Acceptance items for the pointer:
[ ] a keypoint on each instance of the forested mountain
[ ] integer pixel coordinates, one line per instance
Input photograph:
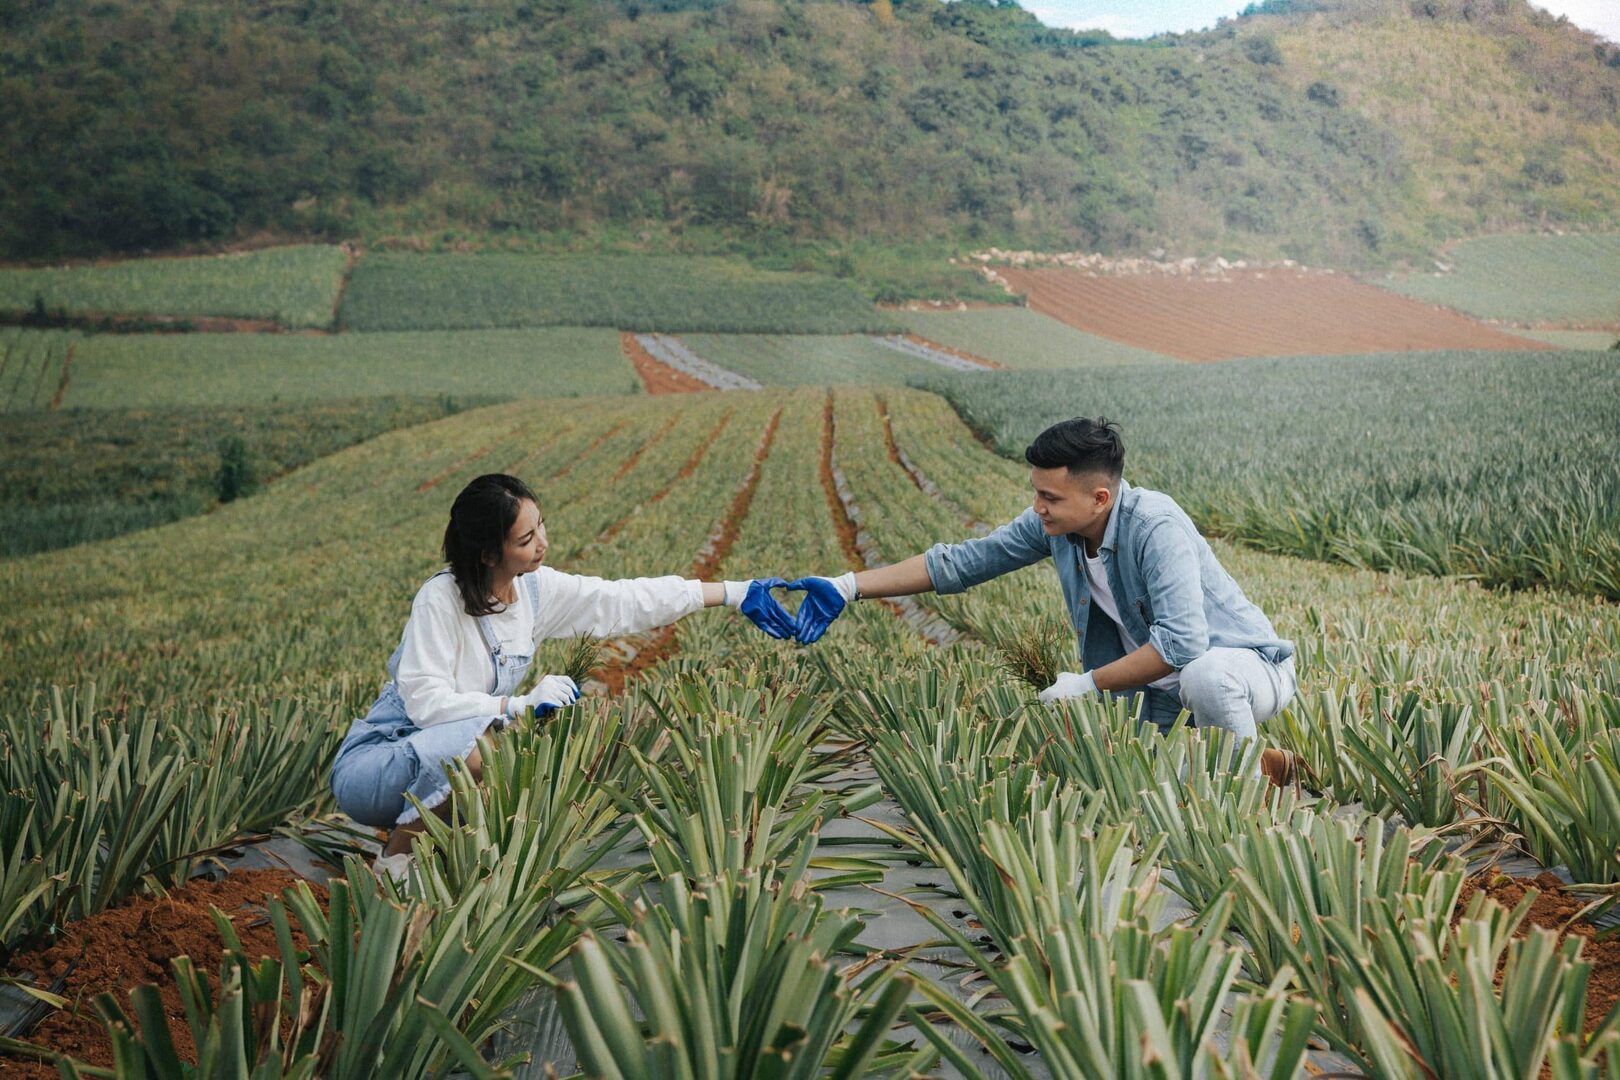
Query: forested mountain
(1351, 131)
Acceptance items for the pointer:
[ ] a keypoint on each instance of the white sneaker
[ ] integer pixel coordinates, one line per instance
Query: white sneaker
(395, 868)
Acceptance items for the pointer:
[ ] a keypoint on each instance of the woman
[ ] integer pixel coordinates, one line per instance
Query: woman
(469, 642)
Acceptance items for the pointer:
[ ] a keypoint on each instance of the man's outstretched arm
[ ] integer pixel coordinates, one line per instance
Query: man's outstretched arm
(906, 578)
(944, 568)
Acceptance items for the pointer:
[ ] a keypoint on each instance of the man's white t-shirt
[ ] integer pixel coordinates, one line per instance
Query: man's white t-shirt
(1102, 594)
(444, 668)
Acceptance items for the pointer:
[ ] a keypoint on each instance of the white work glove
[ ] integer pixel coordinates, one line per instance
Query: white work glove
(845, 584)
(549, 694)
(1069, 685)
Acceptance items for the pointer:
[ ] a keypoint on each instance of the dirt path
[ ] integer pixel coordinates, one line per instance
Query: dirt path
(860, 549)
(687, 469)
(918, 478)
(583, 455)
(636, 455)
(351, 255)
(1258, 313)
(62, 384)
(656, 377)
(660, 644)
(461, 463)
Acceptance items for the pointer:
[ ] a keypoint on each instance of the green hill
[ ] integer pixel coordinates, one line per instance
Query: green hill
(1356, 136)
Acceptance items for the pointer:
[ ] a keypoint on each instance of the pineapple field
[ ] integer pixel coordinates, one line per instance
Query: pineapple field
(874, 856)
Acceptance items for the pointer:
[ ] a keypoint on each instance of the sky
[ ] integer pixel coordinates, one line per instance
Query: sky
(1141, 18)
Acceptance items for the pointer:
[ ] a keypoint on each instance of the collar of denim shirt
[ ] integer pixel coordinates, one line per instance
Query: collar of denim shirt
(1110, 540)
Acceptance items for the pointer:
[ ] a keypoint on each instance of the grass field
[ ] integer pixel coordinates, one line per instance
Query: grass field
(83, 475)
(664, 293)
(33, 364)
(1021, 339)
(1497, 466)
(294, 286)
(280, 609)
(151, 370)
(808, 360)
(1573, 280)
(1574, 339)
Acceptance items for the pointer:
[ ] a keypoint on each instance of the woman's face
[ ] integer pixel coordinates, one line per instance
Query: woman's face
(526, 544)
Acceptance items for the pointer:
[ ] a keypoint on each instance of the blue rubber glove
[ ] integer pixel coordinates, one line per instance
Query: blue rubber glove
(754, 599)
(825, 599)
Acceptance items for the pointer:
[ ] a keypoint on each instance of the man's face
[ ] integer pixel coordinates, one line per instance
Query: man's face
(1067, 503)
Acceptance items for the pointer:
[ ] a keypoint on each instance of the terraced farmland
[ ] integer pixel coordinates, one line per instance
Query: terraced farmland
(658, 294)
(293, 286)
(1252, 313)
(152, 370)
(265, 625)
(1022, 339)
(1569, 280)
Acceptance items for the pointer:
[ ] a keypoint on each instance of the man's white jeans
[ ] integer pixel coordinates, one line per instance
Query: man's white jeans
(1236, 689)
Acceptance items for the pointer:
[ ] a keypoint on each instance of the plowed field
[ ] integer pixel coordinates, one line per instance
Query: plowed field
(1270, 314)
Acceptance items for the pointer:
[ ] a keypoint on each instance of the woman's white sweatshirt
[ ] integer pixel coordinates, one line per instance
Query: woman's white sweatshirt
(444, 667)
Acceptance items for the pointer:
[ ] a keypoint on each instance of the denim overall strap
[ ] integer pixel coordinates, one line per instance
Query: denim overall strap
(510, 667)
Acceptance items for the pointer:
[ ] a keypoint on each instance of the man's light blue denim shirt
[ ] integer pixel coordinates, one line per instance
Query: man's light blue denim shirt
(1170, 589)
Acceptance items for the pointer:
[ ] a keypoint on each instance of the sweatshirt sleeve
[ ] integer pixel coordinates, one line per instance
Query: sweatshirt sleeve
(427, 665)
(574, 604)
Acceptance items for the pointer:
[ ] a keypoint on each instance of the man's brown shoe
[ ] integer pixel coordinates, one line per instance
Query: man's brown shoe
(1281, 767)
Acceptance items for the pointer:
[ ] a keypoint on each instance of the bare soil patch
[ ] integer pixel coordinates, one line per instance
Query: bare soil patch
(657, 377)
(1557, 909)
(1252, 313)
(131, 945)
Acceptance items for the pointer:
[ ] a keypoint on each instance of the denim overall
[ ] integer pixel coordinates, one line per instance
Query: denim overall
(385, 757)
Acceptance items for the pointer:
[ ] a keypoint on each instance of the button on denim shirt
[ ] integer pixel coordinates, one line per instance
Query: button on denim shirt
(1169, 588)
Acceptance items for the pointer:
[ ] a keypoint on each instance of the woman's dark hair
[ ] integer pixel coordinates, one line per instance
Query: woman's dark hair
(479, 521)
(1080, 445)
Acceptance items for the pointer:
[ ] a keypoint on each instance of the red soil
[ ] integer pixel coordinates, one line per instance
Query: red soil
(687, 469)
(660, 644)
(630, 462)
(958, 353)
(1260, 313)
(843, 524)
(135, 322)
(596, 444)
(1554, 909)
(131, 945)
(658, 377)
(62, 383)
(914, 474)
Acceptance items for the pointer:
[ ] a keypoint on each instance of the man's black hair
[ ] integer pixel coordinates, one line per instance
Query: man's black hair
(1080, 445)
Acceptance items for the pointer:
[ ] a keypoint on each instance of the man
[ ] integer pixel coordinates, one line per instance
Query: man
(1155, 612)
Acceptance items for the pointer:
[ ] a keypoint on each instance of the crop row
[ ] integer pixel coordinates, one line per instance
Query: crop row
(1498, 467)
(293, 286)
(652, 294)
(1024, 340)
(1559, 279)
(715, 798)
(81, 475)
(112, 371)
